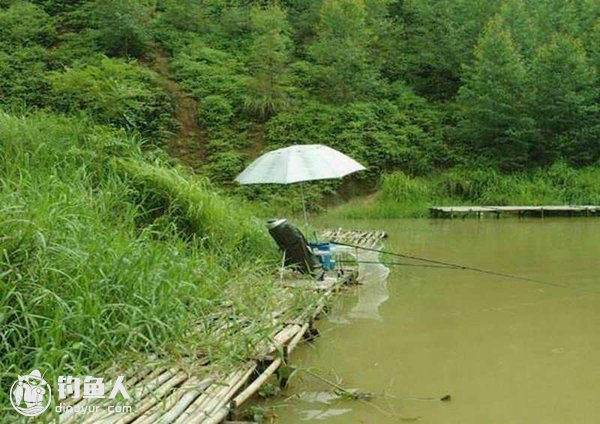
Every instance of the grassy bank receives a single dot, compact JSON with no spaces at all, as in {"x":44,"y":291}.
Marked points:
{"x":106,"y":252}
{"x":402,"y":196}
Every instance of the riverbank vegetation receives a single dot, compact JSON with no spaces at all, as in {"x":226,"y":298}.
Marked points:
{"x":108,"y":253}
{"x":402,"y":196}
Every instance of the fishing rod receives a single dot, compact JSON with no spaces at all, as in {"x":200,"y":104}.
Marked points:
{"x":398,"y":263}
{"x":455,"y":266}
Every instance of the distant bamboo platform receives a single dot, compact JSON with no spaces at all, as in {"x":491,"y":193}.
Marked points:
{"x":204,"y":393}
{"x":497,"y":211}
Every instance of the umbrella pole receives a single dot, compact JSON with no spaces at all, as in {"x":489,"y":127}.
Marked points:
{"x":304,"y":206}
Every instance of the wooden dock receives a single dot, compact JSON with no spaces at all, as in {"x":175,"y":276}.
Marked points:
{"x":520,"y":211}
{"x":204,"y":393}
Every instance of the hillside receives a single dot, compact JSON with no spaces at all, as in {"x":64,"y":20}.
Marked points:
{"x":416,"y":86}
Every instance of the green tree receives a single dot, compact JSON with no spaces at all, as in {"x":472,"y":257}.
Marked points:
{"x":344,"y":70}
{"x":525,"y":34}
{"x":121,"y":26}
{"x":565,"y":101}
{"x":267,"y":90}
{"x":438,"y":39}
{"x":492,"y":105}
{"x":569,"y":17}
{"x":594,"y":43}
{"x":185,"y":15}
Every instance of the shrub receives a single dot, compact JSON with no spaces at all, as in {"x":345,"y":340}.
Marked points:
{"x":214,"y":111}
{"x":114,"y":92}
{"x":23,"y":76}
{"x":24,"y":23}
{"x":205,"y":72}
{"x":224,"y":166}
{"x":121,"y":26}
{"x":399,"y":187}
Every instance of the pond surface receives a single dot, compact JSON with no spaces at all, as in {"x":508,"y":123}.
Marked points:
{"x":507,"y":351}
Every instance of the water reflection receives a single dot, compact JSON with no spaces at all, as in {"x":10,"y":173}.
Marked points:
{"x":373,"y":292}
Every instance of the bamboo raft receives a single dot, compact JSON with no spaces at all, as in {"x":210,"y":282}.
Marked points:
{"x":200,"y":394}
{"x":541,"y":211}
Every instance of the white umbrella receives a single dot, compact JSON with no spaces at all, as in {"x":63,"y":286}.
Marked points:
{"x":299,"y":163}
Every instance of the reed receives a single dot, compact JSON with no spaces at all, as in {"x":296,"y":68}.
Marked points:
{"x":107,"y":254}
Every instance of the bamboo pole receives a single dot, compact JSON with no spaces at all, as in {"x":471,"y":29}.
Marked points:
{"x":69,"y":416}
{"x":296,"y":339}
{"x":218,"y":417}
{"x":282,"y":337}
{"x":152,"y":400}
{"x":255,"y":385}
{"x":232,"y":388}
{"x":199,"y":407}
{"x":204,"y":404}
{"x":156,"y":377}
{"x":192,"y":387}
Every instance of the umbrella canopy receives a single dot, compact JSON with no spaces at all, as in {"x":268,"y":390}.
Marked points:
{"x":299,"y":163}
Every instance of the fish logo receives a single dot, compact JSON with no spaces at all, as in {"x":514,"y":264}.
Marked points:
{"x":30,"y":394}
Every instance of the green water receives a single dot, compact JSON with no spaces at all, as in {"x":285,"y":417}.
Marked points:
{"x":506,"y":351}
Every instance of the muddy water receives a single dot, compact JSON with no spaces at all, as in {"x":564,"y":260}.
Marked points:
{"x":506,"y":351}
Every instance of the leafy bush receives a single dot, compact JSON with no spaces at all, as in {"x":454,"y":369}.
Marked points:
{"x":121,"y":27}
{"x":23,"y":76}
{"x":24,"y":23}
{"x":224,"y":166}
{"x":114,"y":92}
{"x":205,"y":72}
{"x":214,"y":111}
{"x":267,"y":87}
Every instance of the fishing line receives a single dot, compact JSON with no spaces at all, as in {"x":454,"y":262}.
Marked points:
{"x":458,"y":266}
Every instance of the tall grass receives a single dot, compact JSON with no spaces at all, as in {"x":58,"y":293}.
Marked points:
{"x":104,"y":254}
{"x":403,"y":196}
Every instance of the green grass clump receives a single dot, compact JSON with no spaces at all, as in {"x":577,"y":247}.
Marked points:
{"x":105,"y":255}
{"x":194,"y":208}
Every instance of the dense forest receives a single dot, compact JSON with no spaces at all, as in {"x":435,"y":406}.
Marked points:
{"x":412,"y":85}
